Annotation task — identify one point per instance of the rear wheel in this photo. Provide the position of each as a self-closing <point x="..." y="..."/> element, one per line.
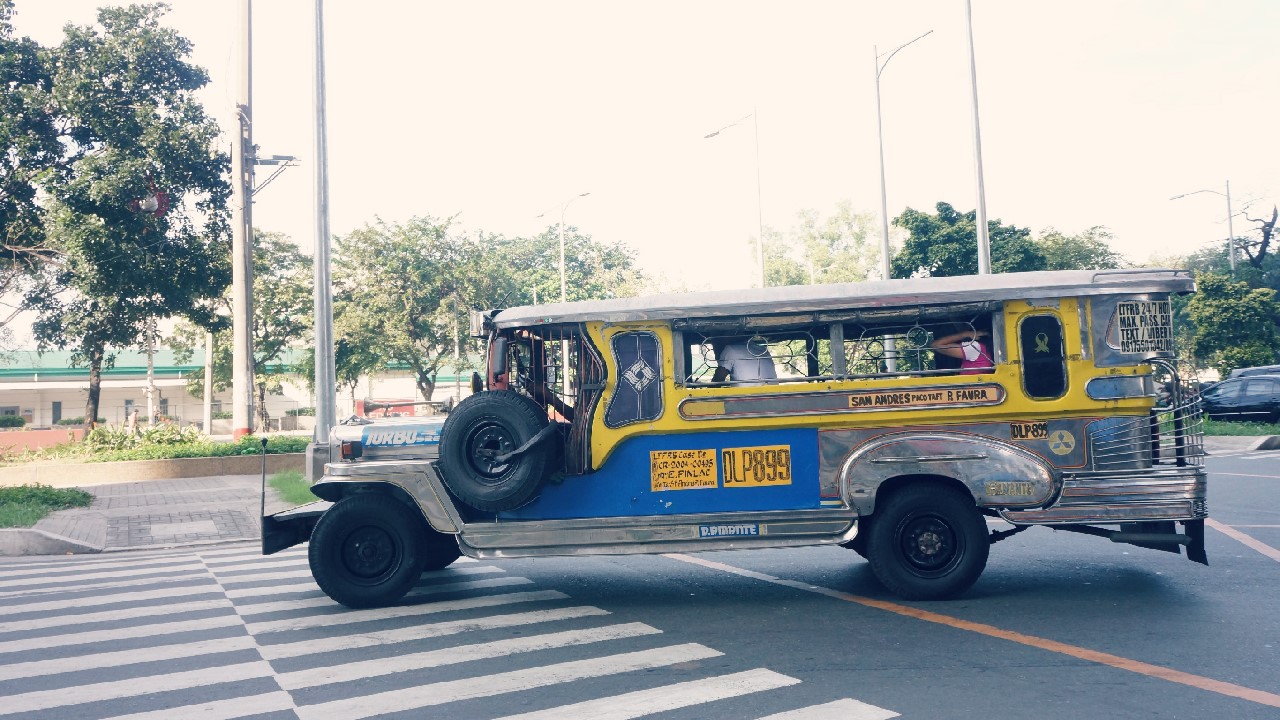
<point x="368" y="550"/>
<point x="928" y="542"/>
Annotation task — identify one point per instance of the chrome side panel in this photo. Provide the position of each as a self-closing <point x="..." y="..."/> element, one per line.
<point x="414" y="478"/>
<point x="1176" y="493"/>
<point x="997" y="474"/>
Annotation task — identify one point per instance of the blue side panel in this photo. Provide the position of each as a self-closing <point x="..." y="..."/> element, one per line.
<point x="623" y="487"/>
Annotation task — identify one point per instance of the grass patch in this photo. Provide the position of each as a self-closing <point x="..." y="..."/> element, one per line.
<point x="292" y="487"/>
<point x="24" y="505"/>
<point x="1227" y="427"/>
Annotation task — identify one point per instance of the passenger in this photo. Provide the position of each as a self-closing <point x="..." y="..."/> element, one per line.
<point x="974" y="355"/>
<point x="745" y="362"/>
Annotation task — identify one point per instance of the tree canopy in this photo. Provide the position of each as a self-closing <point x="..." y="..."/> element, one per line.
<point x="403" y="290"/>
<point x="1235" y="325"/>
<point x="945" y="243"/>
<point x="138" y="216"/>
<point x="839" y="248"/>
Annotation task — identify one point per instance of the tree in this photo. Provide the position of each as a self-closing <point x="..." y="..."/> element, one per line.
<point x="139" y="217"/>
<point x="946" y="244"/>
<point x="1235" y="325"/>
<point x="405" y="289"/>
<point x="831" y="250"/>
<point x="282" y="317"/>
<point x="1089" y="250"/>
<point x="1257" y="251"/>
<point x="29" y="151"/>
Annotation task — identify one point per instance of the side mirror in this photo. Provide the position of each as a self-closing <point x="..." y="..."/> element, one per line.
<point x="498" y="356"/>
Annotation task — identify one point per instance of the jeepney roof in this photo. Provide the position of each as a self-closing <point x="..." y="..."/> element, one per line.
<point x="845" y="296"/>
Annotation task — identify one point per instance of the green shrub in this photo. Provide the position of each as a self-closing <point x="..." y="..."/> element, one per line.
<point x="301" y="412"/>
<point x="77" y="421"/>
<point x="12" y="421"/>
<point x="222" y="415"/>
<point x="23" y="506"/>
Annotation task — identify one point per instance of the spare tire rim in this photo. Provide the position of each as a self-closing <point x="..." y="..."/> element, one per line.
<point x="930" y="546"/>
<point x="484" y="443"/>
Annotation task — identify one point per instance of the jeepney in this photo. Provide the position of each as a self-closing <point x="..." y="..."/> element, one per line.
<point x="602" y="427"/>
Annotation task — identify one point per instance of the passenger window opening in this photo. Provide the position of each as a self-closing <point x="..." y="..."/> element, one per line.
<point x="1044" y="359"/>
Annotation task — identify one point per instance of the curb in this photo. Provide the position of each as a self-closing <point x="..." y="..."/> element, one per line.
<point x="29" y="541"/>
<point x="1270" y="442"/>
<point x="105" y="473"/>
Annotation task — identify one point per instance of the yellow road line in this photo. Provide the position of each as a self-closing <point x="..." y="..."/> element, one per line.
<point x="1240" y="537"/>
<point x="1122" y="663"/>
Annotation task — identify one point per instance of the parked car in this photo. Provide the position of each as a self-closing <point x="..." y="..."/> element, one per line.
<point x="1254" y="398"/>
<point x="1259" y="370"/>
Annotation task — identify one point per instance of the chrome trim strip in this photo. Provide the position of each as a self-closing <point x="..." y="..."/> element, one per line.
<point x="930" y="458"/>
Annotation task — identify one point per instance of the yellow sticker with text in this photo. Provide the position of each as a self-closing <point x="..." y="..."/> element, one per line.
<point x="682" y="469"/>
<point x="757" y="466"/>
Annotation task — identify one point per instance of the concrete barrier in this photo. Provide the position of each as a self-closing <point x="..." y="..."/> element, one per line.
<point x="104" y="473"/>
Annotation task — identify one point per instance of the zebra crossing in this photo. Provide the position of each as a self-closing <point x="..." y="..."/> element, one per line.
<point x="226" y="633"/>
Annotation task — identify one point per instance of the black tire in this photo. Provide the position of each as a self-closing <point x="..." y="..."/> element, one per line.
<point x="485" y="425"/>
<point x="368" y="550"/>
<point x="928" y="542"/>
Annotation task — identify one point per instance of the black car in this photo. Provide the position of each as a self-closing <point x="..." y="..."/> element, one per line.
<point x="1253" y="398"/>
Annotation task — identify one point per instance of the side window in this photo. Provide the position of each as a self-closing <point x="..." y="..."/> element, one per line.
<point x="1044" y="366"/>
<point x="1258" y="389"/>
<point x="1223" y="391"/>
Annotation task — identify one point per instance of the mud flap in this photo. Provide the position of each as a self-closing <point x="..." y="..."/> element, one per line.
<point x="1195" y="550"/>
<point x="1153" y="535"/>
<point x="291" y="527"/>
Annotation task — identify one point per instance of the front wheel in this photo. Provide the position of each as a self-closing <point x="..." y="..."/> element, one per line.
<point x="368" y="550"/>
<point x="928" y="542"/>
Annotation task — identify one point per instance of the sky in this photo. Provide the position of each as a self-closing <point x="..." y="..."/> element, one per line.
<point x="1094" y="112"/>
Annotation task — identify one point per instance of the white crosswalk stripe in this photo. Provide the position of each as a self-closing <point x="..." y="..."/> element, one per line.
<point x="96" y="638"/>
<point x="668" y="697"/>
<point x="420" y="696"/>
<point x="845" y="709"/>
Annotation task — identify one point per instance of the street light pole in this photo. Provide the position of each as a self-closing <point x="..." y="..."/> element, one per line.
<point x="322" y="292"/>
<point x="984" y="240"/>
<point x="242" y="236"/>
<point x="564" y="343"/>
<point x="884" y="195"/>
<point x="1231" y="233"/>
<point x="759" y="192"/>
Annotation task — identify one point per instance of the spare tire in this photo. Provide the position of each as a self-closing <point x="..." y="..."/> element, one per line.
<point x="483" y="427"/>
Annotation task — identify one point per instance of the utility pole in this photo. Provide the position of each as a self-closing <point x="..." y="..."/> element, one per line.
<point x="322" y="293"/>
<point x="208" y="384"/>
<point x="242" y="154"/>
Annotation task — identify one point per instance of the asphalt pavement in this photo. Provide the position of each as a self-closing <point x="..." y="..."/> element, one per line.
<point x="210" y="510"/>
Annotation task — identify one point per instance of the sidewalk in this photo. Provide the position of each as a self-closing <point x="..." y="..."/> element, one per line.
<point x="205" y="510"/>
<point x="151" y="513"/>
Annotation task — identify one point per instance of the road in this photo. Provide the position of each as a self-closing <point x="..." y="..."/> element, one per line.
<point x="1060" y="626"/>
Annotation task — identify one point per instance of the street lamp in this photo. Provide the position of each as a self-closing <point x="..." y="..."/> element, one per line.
<point x="890" y="345"/>
<point x="759" y="206"/>
<point x="984" y="240"/>
<point x="563" y="206"/>
<point x="884" y="197"/>
<point x="1231" y="234"/>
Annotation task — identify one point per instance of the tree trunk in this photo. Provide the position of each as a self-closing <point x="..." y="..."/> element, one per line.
<point x="95" y="354"/>
<point x="426" y="385"/>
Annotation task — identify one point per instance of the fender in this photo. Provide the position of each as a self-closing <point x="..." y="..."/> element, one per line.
<point x="412" y="479"/>
<point x="996" y="473"/>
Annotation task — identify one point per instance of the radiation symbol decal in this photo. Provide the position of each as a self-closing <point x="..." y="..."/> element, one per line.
<point x="1061" y="442"/>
